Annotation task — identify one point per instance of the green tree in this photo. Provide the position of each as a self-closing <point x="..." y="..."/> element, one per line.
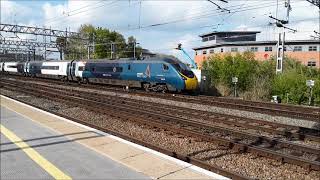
<point x="102" y="39"/>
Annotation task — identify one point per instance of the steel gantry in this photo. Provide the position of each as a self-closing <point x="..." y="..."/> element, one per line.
<point x="15" y="50"/>
<point x="38" y="31"/>
<point x="27" y="43"/>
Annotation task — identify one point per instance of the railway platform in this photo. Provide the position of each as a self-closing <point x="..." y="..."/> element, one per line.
<point x="38" y="145"/>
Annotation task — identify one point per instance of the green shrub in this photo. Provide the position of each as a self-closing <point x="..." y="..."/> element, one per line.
<point x="257" y="80"/>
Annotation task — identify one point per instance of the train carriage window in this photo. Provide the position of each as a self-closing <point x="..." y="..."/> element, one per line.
<point x="165" y="67"/>
<point x="129" y="67"/>
<point x="81" y="68"/>
<point x="50" y="67"/>
<point x="12" y="66"/>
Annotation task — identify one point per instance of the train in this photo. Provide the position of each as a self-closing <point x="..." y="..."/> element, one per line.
<point x="152" y="74"/>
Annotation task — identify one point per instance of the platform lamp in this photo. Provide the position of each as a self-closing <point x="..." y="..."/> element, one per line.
<point x="235" y="81"/>
<point x="310" y="84"/>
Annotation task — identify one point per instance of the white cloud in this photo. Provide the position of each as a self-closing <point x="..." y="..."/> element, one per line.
<point x="191" y="18"/>
<point x="13" y="12"/>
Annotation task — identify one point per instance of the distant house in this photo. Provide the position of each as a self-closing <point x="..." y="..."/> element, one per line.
<point x="306" y="51"/>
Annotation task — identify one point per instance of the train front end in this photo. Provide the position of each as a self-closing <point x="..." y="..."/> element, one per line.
<point x="187" y="75"/>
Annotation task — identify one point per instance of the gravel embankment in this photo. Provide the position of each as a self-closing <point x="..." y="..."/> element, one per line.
<point x="244" y="163"/>
<point x="247" y="114"/>
<point x="240" y="113"/>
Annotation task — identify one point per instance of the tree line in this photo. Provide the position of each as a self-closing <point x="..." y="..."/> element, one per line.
<point x="99" y="43"/>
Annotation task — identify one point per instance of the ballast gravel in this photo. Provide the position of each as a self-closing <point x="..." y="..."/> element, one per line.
<point x="234" y="112"/>
<point x="246" y="164"/>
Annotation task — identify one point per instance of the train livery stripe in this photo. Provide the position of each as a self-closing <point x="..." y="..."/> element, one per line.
<point x="34" y="155"/>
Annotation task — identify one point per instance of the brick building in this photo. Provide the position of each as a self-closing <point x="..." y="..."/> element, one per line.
<point x="306" y="51"/>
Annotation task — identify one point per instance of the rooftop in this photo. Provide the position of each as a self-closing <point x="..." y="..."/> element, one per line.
<point x="246" y="43"/>
<point x="229" y="32"/>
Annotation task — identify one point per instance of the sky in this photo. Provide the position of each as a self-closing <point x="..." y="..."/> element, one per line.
<point x="159" y="25"/>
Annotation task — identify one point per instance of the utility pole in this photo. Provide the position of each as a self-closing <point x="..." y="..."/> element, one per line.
<point x="112" y="50"/>
<point x="94" y="44"/>
<point x="88" y="51"/>
<point x="45" y="47"/>
<point x="134" y="49"/>
<point x="281" y="37"/>
<point x="280" y="52"/>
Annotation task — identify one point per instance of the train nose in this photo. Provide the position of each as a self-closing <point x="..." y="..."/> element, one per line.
<point x="191" y="83"/>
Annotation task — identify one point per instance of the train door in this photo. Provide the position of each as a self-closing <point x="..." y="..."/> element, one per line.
<point x="27" y="67"/>
<point x="73" y="69"/>
<point x="165" y="71"/>
<point x="20" y="67"/>
<point x="1" y="66"/>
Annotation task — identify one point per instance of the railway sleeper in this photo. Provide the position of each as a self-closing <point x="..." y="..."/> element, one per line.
<point x="264" y="153"/>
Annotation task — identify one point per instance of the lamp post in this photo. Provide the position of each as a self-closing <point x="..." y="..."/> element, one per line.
<point x="134" y="49"/>
<point x="310" y="84"/>
<point x="235" y="81"/>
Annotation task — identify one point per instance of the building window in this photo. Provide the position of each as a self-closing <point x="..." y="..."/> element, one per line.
<point x="254" y="49"/>
<point x="204" y="52"/>
<point x="297" y="48"/>
<point x="266" y="49"/>
<point x="212" y="38"/>
<point x="211" y="51"/>
<point x="221" y="49"/>
<point x="204" y="39"/>
<point x="312" y="63"/>
<point x="234" y="49"/>
<point x="209" y="38"/>
<point x="312" y="48"/>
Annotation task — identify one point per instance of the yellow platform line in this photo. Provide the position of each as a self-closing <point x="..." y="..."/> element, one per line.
<point x="34" y="155"/>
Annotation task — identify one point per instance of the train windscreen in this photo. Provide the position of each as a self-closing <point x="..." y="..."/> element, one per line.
<point x="181" y="67"/>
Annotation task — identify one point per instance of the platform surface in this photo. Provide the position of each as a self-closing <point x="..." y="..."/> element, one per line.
<point x="78" y="152"/>
<point x="72" y="159"/>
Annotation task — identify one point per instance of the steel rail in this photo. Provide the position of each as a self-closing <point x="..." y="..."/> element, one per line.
<point x="186" y="158"/>
<point x="287" y="131"/>
<point x="250" y="148"/>
<point x="293" y="111"/>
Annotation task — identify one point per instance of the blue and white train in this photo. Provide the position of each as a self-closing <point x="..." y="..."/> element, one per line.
<point x="152" y="74"/>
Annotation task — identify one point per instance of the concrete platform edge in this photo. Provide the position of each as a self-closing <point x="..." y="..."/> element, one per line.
<point x="185" y="165"/>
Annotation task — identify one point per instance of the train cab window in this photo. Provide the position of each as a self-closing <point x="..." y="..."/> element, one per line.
<point x="81" y="68"/>
<point x="165" y="67"/>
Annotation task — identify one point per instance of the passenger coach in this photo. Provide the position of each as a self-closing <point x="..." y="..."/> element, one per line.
<point x="152" y="74"/>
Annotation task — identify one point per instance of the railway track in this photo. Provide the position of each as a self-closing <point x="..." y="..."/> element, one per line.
<point x="292" y="111"/>
<point x="288" y="131"/>
<point x="244" y="142"/>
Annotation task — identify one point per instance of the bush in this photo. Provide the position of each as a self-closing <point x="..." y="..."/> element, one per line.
<point x="258" y="80"/>
<point x="223" y="68"/>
